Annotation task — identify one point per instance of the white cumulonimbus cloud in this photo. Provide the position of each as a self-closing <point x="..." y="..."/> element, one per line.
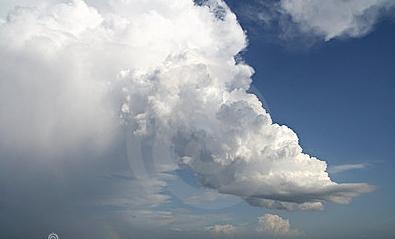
<point x="336" y="18"/>
<point x="168" y="67"/>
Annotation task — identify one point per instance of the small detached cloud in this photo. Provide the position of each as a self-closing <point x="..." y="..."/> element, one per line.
<point x="274" y="225"/>
<point x="225" y="229"/>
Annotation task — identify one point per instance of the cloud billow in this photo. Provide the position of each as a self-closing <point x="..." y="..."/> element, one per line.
<point x="275" y="225"/>
<point x="169" y="68"/>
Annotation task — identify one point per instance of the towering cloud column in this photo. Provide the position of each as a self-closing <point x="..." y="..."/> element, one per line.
<point x="168" y="67"/>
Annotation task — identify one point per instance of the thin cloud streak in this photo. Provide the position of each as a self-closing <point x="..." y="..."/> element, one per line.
<point x="346" y="167"/>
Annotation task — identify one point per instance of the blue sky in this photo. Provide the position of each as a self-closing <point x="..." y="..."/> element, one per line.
<point x="110" y="127"/>
<point x="339" y="97"/>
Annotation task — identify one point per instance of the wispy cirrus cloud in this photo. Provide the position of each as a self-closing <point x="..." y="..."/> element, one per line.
<point x="346" y="167"/>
